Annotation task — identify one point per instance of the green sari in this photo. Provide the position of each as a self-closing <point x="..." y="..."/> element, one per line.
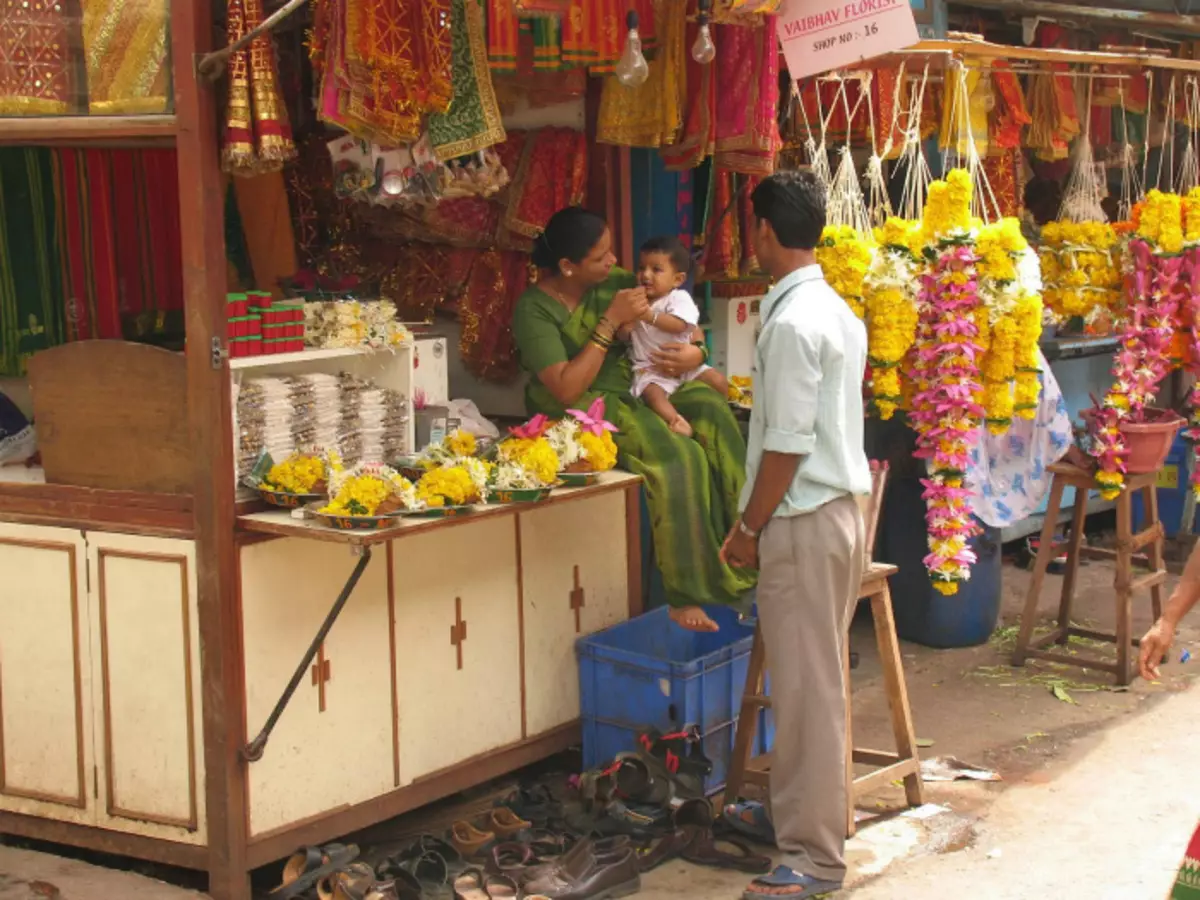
<point x="692" y="484"/>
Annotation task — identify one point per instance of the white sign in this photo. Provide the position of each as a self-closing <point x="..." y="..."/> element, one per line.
<point x="819" y="35"/>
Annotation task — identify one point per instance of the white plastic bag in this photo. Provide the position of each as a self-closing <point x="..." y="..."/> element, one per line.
<point x="472" y="420"/>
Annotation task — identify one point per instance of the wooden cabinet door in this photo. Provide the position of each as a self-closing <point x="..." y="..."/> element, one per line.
<point x="45" y="675"/>
<point x="575" y="574"/>
<point x="458" y="671"/>
<point x="146" y="686"/>
<point x="334" y="744"/>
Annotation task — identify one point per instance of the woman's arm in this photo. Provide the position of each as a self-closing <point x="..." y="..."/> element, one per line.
<point x="1161" y="636"/>
<point x="674" y="359"/>
<point x="570" y="380"/>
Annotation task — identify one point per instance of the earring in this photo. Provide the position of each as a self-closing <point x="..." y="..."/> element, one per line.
<point x="569" y="273"/>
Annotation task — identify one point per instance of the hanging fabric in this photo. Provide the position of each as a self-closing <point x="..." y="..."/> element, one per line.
<point x="747" y="129"/>
<point x="31" y="308"/>
<point x="258" y="137"/>
<point x="697" y="136"/>
<point x="651" y="114"/>
<point x="472" y="123"/>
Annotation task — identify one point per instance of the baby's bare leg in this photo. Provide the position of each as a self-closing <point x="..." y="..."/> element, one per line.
<point x="715" y="379"/>
<point x="660" y="401"/>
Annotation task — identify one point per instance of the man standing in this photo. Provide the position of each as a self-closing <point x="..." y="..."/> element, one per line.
<point x="801" y="526"/>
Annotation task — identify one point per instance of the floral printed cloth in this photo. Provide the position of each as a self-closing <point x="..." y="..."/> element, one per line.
<point x="1008" y="474"/>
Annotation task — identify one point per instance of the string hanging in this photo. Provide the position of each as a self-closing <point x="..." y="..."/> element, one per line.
<point x="1084" y="191"/>
<point x="917" y="174"/>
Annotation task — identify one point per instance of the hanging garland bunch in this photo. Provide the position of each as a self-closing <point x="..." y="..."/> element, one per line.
<point x="844" y="255"/>
<point x="890" y="290"/>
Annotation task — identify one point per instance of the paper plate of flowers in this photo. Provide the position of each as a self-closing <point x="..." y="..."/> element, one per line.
<point x="452" y="489"/>
<point x="526" y="468"/>
<point x="584" y="445"/>
<point x="298" y="480"/>
<point x="452" y="447"/>
<point x="365" y="498"/>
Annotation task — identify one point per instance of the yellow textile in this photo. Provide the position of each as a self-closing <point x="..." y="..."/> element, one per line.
<point x="965" y="116"/>
<point x="651" y="114"/>
<point x="125" y="44"/>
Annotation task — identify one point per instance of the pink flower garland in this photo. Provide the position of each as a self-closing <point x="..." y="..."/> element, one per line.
<point x="946" y="410"/>
<point x="1156" y="292"/>
<point x="1191" y="432"/>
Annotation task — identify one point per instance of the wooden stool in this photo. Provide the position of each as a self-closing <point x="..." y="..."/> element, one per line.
<point x="745" y="768"/>
<point x="1125" y="555"/>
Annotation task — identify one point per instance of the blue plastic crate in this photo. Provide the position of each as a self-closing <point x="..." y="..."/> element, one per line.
<point x="650" y="672"/>
<point x="1172" y="491"/>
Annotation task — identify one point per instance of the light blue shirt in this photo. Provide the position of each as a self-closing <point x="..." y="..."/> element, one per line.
<point x="810" y="359"/>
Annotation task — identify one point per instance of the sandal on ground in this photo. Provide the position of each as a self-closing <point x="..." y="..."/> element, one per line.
<point x="469" y="840"/>
<point x="428" y="843"/>
<point x="693" y="812"/>
<point x="510" y="858"/>
<point x="354" y="882"/>
<point x="802" y="887"/>
<point x="471" y="885"/>
<point x="308" y="865"/>
<point x="501" y="887"/>
<point x="724" y="853"/>
<point x="662" y="850"/>
<point x="431" y="873"/>
<point x="639" y="782"/>
<point x="681" y="756"/>
<point x="534" y="803"/>
<point x="757" y="827"/>
<point x="506" y="824"/>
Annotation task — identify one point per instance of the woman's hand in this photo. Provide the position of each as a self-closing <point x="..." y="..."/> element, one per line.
<point x="1154" y="647"/>
<point x="674" y="359"/>
<point x="627" y="306"/>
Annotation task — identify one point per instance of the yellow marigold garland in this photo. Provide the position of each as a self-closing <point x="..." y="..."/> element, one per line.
<point x="844" y="256"/>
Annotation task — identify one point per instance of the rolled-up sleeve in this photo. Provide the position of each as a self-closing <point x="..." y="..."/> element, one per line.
<point x="789" y="392"/>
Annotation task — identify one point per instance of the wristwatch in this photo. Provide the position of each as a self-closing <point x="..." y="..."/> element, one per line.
<point x="747" y="530"/>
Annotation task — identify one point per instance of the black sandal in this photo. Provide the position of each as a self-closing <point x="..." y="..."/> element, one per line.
<point x="703" y="850"/>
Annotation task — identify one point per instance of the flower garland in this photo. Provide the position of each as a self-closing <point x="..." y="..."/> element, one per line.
<point x="1191" y="354"/>
<point x="946" y="413"/>
<point x="845" y="256"/>
<point x="460" y="483"/>
<point x="1157" y="294"/>
<point x="1001" y="248"/>
<point x="370" y="490"/>
<point x="891" y="310"/>
<point x="300" y="473"/>
<point x="1081" y="270"/>
<point x="456" y="445"/>
<point x="534" y="455"/>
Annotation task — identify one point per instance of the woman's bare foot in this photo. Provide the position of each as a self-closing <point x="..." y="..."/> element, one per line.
<point x="680" y="425"/>
<point x="693" y="618"/>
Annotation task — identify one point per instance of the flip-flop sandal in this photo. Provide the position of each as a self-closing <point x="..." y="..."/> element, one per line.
<point x="428" y="843"/>
<point x="353" y="882"/>
<point x="308" y="865"/>
<point x="509" y="859"/>
<point x="471" y="885"/>
<point x="430" y="872"/>
<point x="404" y="886"/>
<point x="470" y="841"/>
<point x="501" y="887"/>
<point x="506" y="824"/>
<point x="805" y="886"/>
<point x="663" y="850"/>
<point x="726" y="853"/>
<point x="758" y="827"/>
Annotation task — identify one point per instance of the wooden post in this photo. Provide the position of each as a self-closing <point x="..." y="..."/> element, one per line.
<point x="201" y="211"/>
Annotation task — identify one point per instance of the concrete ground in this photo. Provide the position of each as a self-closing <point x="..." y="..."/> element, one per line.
<point x="1101" y="787"/>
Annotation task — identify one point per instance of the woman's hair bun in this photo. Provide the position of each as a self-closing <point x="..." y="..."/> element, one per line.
<point x="570" y="234"/>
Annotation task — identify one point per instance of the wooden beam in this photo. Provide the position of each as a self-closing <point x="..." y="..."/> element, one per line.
<point x="210" y="423"/>
<point x="988" y="50"/>
<point x="86" y="129"/>
<point x="1177" y="23"/>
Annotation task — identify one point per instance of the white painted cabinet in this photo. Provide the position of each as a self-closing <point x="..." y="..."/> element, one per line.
<point x="45" y="675"/>
<point x="575" y="569"/>
<point x="146" y="676"/>
<point x="334" y="743"/>
<point x="100" y="719"/>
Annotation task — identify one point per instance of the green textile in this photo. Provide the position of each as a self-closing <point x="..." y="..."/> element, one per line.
<point x="692" y="484"/>
<point x="472" y="123"/>
<point x="1187" y="884"/>
<point x="31" y="306"/>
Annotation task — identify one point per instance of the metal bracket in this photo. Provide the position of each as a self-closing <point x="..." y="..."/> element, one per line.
<point x="218" y="353"/>
<point x="211" y="65"/>
<point x="253" y="751"/>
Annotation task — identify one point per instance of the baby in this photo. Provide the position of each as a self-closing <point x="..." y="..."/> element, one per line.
<point x="662" y="270"/>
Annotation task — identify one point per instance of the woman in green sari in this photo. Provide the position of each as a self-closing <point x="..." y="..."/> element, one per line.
<point x="566" y="330"/>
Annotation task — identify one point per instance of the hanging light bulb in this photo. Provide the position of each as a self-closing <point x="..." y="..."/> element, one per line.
<point x="632" y="69"/>
<point x="704" y="50"/>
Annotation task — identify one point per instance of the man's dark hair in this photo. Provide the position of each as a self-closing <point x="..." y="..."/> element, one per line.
<point x="674" y="250"/>
<point x="794" y="203"/>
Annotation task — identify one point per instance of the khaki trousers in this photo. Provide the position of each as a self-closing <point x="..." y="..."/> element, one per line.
<point x="810" y="572"/>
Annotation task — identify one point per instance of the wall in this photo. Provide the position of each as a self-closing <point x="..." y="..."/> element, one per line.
<point x="17" y="390"/>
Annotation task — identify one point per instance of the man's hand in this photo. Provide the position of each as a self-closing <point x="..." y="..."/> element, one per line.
<point x="1154" y="647"/>
<point x="740" y="550"/>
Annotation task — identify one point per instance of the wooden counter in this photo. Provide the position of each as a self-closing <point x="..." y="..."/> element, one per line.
<point x="451" y="663"/>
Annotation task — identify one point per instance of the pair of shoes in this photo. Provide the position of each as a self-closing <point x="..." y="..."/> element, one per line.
<point x="592" y="870"/>
<point x="805" y="886"/>
<point x="424" y="869"/>
<point x="474" y="884"/>
<point x="309" y="865"/>
<point x="696" y="844"/>
<point x="534" y="803"/>
<point x="358" y="882"/>
<point x="500" y="824"/>
<point x="540" y="848"/>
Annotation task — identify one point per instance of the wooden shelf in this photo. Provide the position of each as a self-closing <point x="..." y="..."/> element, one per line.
<point x="283" y="359"/>
<point x="87" y="129"/>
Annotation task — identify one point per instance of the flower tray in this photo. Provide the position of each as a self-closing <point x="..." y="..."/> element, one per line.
<point x="286" y="500"/>
<point x="520" y="495"/>
<point x="349" y="523"/>
<point x="435" y="512"/>
<point x="578" y="479"/>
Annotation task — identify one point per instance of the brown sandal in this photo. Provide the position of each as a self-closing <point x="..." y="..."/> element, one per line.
<point x="469" y="840"/>
<point x="308" y="865"/>
<point x="705" y="850"/>
<point x="506" y="823"/>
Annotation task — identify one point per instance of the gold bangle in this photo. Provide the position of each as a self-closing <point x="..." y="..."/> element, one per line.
<point x="599" y="346"/>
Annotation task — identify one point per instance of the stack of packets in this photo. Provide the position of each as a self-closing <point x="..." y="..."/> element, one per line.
<point x="354" y="323"/>
<point x="365" y="422"/>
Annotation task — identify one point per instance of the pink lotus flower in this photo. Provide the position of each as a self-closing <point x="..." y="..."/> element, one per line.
<point x="533" y="429"/>
<point x="593" y="419"/>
